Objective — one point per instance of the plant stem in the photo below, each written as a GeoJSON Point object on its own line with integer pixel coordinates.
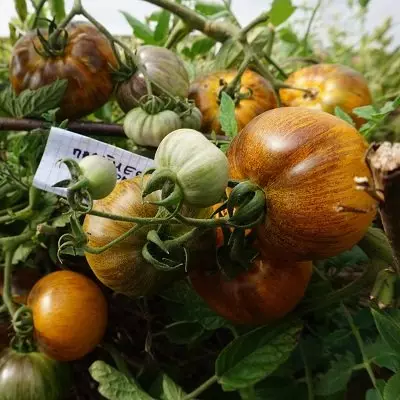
{"type": "Point", "coordinates": [308, 372]}
{"type": "Point", "coordinates": [257, 21]}
{"type": "Point", "coordinates": [7, 296]}
{"type": "Point", "coordinates": [274, 64]}
{"type": "Point", "coordinates": [360, 343]}
{"type": "Point", "coordinates": [219, 31]}
{"type": "Point", "coordinates": [235, 82]}
{"type": "Point", "coordinates": [38, 10]}
{"type": "Point", "coordinates": [270, 44]}
{"type": "Point", "coordinates": [310, 22]}
{"type": "Point", "coordinates": [201, 388]}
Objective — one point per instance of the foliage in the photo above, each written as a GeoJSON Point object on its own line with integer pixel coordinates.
{"type": "Point", "coordinates": [172, 346]}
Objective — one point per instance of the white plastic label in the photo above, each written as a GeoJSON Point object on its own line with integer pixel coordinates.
{"type": "Point", "coordinates": [65, 144]}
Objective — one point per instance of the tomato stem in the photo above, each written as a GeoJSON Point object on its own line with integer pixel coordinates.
{"type": "Point", "coordinates": [234, 84]}
{"type": "Point", "coordinates": [7, 277]}
{"type": "Point", "coordinates": [201, 388]}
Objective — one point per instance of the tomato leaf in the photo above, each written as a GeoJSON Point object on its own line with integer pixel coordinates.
{"type": "Point", "coordinates": [8, 99]}
{"type": "Point", "coordinates": [227, 116]}
{"type": "Point", "coordinates": [113, 385]}
{"type": "Point", "coordinates": [228, 55]}
{"type": "Point", "coordinates": [255, 355]}
{"type": "Point", "coordinates": [287, 35]}
{"type": "Point", "coordinates": [202, 46]}
{"type": "Point", "coordinates": [343, 115]}
{"type": "Point", "coordinates": [388, 324]}
{"type": "Point", "coordinates": [337, 377]}
{"type": "Point", "coordinates": [162, 28]}
{"type": "Point", "coordinates": [392, 388]}
{"type": "Point", "coordinates": [383, 355]}
{"type": "Point", "coordinates": [280, 11]}
{"type": "Point", "coordinates": [57, 8]}
{"type": "Point", "coordinates": [183, 332]}
{"type": "Point", "coordinates": [208, 8]}
{"type": "Point", "coordinates": [373, 394]}
{"type": "Point", "coordinates": [33, 103]}
{"type": "Point", "coordinates": [21, 9]}
{"type": "Point", "coordinates": [140, 30]}
{"type": "Point", "coordinates": [365, 112]}
{"type": "Point", "coordinates": [171, 391]}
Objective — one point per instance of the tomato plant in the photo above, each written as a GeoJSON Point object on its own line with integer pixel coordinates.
{"type": "Point", "coordinates": [330, 86]}
{"type": "Point", "coordinates": [270, 289]}
{"type": "Point", "coordinates": [313, 157]}
{"type": "Point", "coordinates": [69, 315]}
{"type": "Point", "coordinates": [249, 185]}
{"type": "Point", "coordinates": [254, 96]}
{"type": "Point", "coordinates": [31, 376]}
{"type": "Point", "coordinates": [84, 60]}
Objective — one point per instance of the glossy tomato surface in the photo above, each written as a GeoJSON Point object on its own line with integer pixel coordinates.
{"type": "Point", "coordinates": [269, 290]}
{"type": "Point", "coordinates": [23, 280]}
{"type": "Point", "coordinates": [305, 161]}
{"type": "Point", "coordinates": [85, 63]}
{"type": "Point", "coordinates": [205, 92]}
{"type": "Point", "coordinates": [31, 376]}
{"type": "Point", "coordinates": [331, 85]}
{"type": "Point", "coordinates": [69, 315]}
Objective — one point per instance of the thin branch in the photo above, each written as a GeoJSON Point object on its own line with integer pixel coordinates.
{"type": "Point", "coordinates": [257, 21]}
{"type": "Point", "coordinates": [314, 13]}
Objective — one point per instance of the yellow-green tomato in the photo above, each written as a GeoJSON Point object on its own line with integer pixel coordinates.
{"type": "Point", "coordinates": [150, 129]}
{"type": "Point", "coordinates": [101, 175]}
{"type": "Point", "coordinates": [201, 168]}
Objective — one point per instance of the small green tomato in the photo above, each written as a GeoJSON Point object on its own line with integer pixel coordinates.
{"type": "Point", "coordinates": [201, 168]}
{"type": "Point", "coordinates": [150, 129]}
{"type": "Point", "coordinates": [192, 120]}
{"type": "Point", "coordinates": [101, 175]}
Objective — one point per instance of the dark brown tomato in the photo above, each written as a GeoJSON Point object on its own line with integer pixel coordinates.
{"type": "Point", "coordinates": [332, 85]}
{"type": "Point", "coordinates": [305, 161]}
{"type": "Point", "coordinates": [85, 63]}
{"type": "Point", "coordinates": [269, 290]}
{"type": "Point", "coordinates": [69, 315]}
{"type": "Point", "coordinates": [205, 92]}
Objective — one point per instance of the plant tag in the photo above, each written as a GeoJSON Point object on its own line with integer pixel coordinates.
{"type": "Point", "coordinates": [63, 144]}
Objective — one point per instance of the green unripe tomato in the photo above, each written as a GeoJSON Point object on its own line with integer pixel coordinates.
{"type": "Point", "coordinates": [193, 120]}
{"type": "Point", "coordinates": [31, 376]}
{"type": "Point", "coordinates": [101, 175]}
{"type": "Point", "coordinates": [201, 168]}
{"type": "Point", "coordinates": [150, 129]}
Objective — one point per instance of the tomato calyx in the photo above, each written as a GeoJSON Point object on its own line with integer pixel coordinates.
{"type": "Point", "coordinates": [55, 43]}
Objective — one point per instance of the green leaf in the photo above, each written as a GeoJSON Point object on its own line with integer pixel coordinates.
{"type": "Point", "coordinates": [186, 305]}
{"type": "Point", "coordinates": [280, 388]}
{"type": "Point", "coordinates": [113, 385]}
{"type": "Point", "coordinates": [348, 258]}
{"type": "Point", "coordinates": [373, 394]}
{"type": "Point", "coordinates": [281, 10]}
{"type": "Point", "coordinates": [21, 9]}
{"type": "Point", "coordinates": [57, 8]}
{"type": "Point", "coordinates": [33, 103]}
{"type": "Point", "coordinates": [227, 116]}
{"type": "Point", "coordinates": [388, 324]}
{"type": "Point", "coordinates": [202, 46]}
{"type": "Point", "coordinates": [287, 35]}
{"type": "Point", "coordinates": [343, 115]}
{"type": "Point", "coordinates": [255, 355]}
{"type": "Point", "coordinates": [171, 391]}
{"type": "Point", "coordinates": [183, 332]}
{"type": "Point", "coordinates": [363, 3]}
{"type": "Point", "coordinates": [208, 8]}
{"type": "Point", "coordinates": [365, 112]}
{"type": "Point", "coordinates": [8, 101]}
{"type": "Point", "coordinates": [162, 28]}
{"type": "Point", "coordinates": [392, 388]}
{"type": "Point", "coordinates": [382, 355]}
{"type": "Point", "coordinates": [337, 377]}
{"type": "Point", "coordinates": [140, 30]}
{"type": "Point", "coordinates": [23, 252]}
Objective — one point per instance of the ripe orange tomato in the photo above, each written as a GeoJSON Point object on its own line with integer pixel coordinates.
{"type": "Point", "coordinates": [205, 92]}
{"type": "Point", "coordinates": [270, 289]}
{"type": "Point", "coordinates": [331, 85]}
{"type": "Point", "coordinates": [85, 63]}
{"type": "Point", "coordinates": [69, 315]}
{"type": "Point", "coordinates": [305, 161]}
